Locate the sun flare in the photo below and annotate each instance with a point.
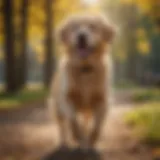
(90, 2)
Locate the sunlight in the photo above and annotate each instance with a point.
(90, 2)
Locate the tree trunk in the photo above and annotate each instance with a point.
(23, 55)
(130, 31)
(49, 58)
(10, 58)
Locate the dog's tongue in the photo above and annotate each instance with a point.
(84, 53)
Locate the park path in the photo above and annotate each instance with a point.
(30, 134)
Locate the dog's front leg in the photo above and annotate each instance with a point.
(76, 130)
(65, 114)
(99, 116)
(79, 125)
(63, 130)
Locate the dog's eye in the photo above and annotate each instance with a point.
(74, 27)
(92, 27)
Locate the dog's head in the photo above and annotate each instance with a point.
(86, 35)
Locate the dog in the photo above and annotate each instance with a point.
(80, 87)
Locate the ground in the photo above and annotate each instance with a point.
(30, 134)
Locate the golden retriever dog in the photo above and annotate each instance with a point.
(80, 87)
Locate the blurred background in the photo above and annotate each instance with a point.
(28, 54)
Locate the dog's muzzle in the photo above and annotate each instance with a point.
(82, 41)
(83, 48)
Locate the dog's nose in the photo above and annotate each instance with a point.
(82, 40)
(82, 37)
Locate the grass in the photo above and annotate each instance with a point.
(146, 122)
(147, 95)
(125, 85)
(25, 96)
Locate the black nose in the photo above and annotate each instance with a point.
(82, 40)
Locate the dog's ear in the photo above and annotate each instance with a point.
(63, 32)
(109, 33)
(109, 30)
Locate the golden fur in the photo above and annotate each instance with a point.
(80, 86)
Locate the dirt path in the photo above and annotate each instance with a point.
(118, 141)
(31, 138)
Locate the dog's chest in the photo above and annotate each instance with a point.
(86, 87)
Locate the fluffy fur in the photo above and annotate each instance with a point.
(80, 88)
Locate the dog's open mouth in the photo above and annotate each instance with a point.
(83, 48)
(83, 52)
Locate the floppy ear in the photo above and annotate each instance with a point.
(62, 32)
(109, 31)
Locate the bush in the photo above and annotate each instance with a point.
(146, 122)
(143, 95)
(26, 96)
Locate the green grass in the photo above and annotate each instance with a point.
(26, 96)
(147, 95)
(146, 122)
(125, 85)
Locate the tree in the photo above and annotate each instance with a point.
(10, 58)
(49, 61)
(125, 17)
(148, 7)
(22, 57)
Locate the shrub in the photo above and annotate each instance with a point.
(146, 122)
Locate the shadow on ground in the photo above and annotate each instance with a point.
(72, 154)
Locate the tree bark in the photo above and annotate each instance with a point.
(23, 55)
(49, 58)
(10, 58)
(132, 71)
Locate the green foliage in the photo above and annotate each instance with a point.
(144, 95)
(145, 121)
(125, 84)
(26, 96)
